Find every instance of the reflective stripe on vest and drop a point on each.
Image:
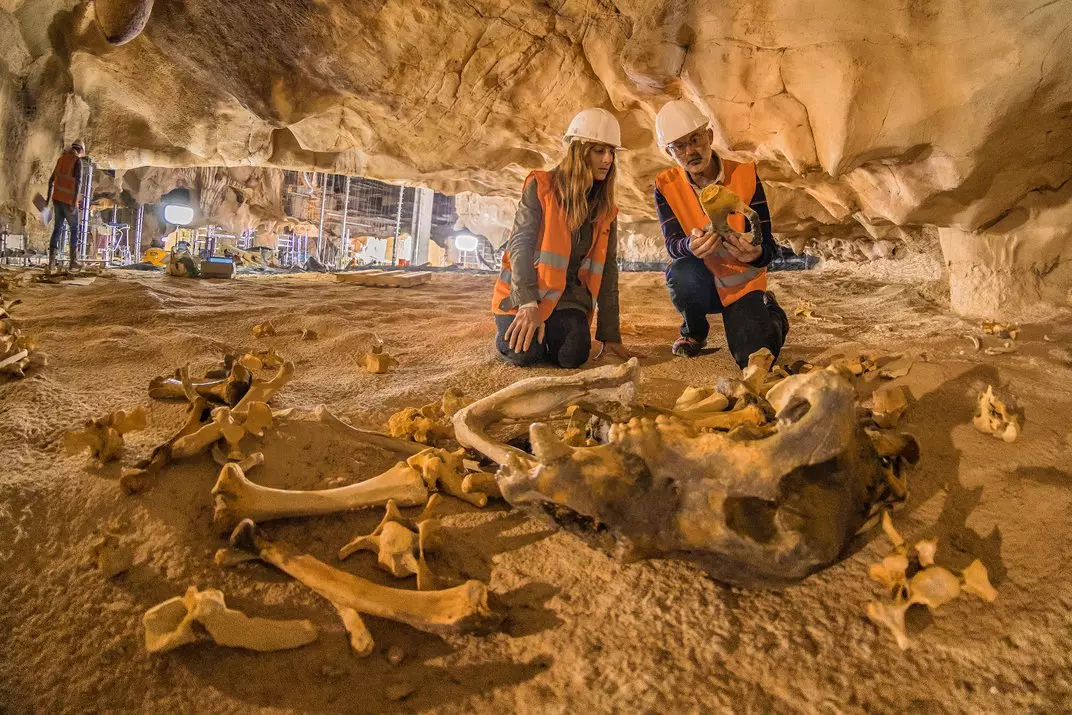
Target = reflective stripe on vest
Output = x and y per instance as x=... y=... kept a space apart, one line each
x=552 y=255
x=64 y=185
x=733 y=279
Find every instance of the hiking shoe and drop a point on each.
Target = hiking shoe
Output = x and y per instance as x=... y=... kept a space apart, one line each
x=687 y=347
x=74 y=265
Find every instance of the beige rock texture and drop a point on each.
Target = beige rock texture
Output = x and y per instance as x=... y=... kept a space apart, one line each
x=953 y=113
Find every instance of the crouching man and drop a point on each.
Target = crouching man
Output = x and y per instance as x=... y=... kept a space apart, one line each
x=710 y=273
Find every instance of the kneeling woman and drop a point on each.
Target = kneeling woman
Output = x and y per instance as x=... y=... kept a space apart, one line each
x=560 y=263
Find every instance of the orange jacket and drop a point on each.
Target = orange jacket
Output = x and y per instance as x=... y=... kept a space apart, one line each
x=553 y=254
x=733 y=279
x=65 y=179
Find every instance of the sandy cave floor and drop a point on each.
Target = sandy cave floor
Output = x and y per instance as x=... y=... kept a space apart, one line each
x=582 y=632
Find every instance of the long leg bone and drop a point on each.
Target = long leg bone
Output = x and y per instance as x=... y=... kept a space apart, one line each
x=537 y=397
x=452 y=610
x=237 y=498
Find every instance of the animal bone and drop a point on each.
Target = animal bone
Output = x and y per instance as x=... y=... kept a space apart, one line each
x=137 y=479
x=111 y=555
x=415 y=424
x=264 y=390
x=993 y=417
x=1005 y=349
x=169 y=625
x=759 y=365
x=103 y=437
x=889 y=403
x=237 y=498
x=720 y=202
x=750 y=511
x=377 y=361
x=930 y=585
x=700 y=401
x=399 y=550
x=308 y=334
x=227 y=391
x=1001 y=330
x=452 y=610
x=360 y=639
x=379 y=439
x=445 y=471
x=264 y=330
x=540 y=396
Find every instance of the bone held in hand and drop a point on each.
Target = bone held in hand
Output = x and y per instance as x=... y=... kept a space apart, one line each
x=238 y=498
x=537 y=397
x=453 y=610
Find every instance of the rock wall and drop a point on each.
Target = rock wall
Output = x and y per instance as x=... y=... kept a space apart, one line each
x=951 y=113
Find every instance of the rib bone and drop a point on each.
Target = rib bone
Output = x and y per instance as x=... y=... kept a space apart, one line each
x=238 y=498
x=537 y=397
x=452 y=610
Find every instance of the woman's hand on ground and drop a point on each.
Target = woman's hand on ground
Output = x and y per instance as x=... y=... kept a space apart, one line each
x=526 y=326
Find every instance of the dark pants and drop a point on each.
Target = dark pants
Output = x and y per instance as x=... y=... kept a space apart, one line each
x=751 y=321
x=64 y=214
x=566 y=342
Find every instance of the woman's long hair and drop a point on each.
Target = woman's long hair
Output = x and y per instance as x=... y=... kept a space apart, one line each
x=573 y=179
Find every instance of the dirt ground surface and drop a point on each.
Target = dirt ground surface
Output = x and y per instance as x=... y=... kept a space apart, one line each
x=582 y=632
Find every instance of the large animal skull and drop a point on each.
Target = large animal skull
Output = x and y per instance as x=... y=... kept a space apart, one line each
x=752 y=508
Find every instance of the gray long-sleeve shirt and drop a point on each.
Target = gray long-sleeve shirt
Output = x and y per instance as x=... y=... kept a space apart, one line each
x=523 y=244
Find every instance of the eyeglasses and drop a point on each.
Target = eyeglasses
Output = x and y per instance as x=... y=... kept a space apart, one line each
x=694 y=140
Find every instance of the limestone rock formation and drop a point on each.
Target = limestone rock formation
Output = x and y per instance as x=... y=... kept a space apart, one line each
x=887 y=115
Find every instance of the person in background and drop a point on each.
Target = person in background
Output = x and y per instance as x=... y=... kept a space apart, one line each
x=560 y=265
x=710 y=273
x=64 y=190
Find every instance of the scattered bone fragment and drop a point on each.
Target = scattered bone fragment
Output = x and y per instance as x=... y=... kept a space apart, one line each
x=309 y=334
x=225 y=428
x=376 y=360
x=412 y=423
x=912 y=577
x=169 y=625
x=1002 y=330
x=361 y=641
x=888 y=404
x=1004 y=349
x=237 y=498
x=17 y=352
x=264 y=330
x=748 y=415
x=975 y=341
x=227 y=391
x=445 y=471
x=700 y=400
x=482 y=482
x=453 y=610
x=993 y=417
x=137 y=479
x=395 y=655
x=111 y=556
x=103 y=436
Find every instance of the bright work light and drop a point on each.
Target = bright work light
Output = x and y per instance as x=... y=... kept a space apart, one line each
x=465 y=242
x=178 y=214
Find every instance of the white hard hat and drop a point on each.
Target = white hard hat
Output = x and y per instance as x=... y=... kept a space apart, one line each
x=597 y=125
x=676 y=119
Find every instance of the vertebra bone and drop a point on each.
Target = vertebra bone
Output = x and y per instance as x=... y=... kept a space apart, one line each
x=452 y=610
x=103 y=437
x=227 y=391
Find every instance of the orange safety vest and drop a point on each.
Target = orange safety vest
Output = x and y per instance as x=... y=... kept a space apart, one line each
x=733 y=279
x=553 y=254
x=64 y=185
